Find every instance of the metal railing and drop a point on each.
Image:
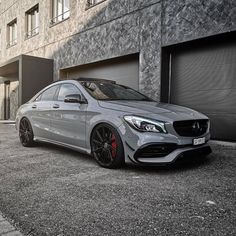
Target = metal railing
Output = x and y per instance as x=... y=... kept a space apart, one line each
x=60 y=17
x=91 y=3
x=12 y=42
x=32 y=32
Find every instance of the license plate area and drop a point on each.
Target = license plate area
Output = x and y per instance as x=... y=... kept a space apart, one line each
x=199 y=141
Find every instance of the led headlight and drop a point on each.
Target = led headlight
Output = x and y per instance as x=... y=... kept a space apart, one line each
x=145 y=125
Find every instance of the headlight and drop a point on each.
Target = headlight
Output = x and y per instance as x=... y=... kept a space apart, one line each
x=145 y=125
x=208 y=125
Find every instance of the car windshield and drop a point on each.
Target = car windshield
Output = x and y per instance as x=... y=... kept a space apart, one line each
x=112 y=91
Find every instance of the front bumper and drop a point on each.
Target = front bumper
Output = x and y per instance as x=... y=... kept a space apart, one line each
x=170 y=146
x=189 y=151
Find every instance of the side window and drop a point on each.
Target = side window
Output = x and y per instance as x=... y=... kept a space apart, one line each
x=48 y=95
x=67 y=89
x=38 y=98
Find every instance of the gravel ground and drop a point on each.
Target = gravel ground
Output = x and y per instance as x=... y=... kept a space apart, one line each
x=47 y=190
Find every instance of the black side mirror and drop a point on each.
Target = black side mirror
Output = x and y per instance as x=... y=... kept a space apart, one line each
x=74 y=98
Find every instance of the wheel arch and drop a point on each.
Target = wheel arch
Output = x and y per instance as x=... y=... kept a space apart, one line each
x=25 y=117
x=100 y=123
x=119 y=155
x=112 y=124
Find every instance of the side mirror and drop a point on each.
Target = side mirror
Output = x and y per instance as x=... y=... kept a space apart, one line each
x=74 y=98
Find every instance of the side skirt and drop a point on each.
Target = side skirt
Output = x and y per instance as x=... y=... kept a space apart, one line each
x=79 y=149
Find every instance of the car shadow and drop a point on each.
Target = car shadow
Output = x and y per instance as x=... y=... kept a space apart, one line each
x=183 y=164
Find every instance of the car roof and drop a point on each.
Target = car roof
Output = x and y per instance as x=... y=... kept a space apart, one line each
x=83 y=79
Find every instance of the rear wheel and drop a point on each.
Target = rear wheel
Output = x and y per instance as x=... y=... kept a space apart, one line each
x=107 y=147
x=26 y=133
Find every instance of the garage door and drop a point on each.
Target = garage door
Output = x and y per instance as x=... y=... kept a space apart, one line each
x=124 y=70
x=204 y=78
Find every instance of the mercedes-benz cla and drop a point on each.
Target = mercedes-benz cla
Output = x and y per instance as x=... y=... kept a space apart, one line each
x=112 y=122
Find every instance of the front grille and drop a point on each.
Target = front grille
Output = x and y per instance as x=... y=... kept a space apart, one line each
x=155 y=150
x=191 y=128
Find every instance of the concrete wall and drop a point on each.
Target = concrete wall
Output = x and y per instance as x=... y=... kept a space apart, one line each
x=116 y=28
x=36 y=73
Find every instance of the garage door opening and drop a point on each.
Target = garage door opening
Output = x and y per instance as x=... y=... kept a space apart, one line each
x=124 y=70
x=202 y=75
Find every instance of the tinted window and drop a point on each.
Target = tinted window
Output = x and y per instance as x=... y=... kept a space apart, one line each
x=38 y=98
x=48 y=95
x=67 y=89
x=110 y=91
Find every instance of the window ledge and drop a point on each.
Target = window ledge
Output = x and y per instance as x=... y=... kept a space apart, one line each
x=30 y=36
x=51 y=24
x=93 y=5
x=11 y=45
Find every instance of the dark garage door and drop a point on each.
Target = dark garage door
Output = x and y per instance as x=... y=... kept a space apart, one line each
x=203 y=77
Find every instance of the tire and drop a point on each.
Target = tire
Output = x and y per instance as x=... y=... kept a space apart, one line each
x=107 y=147
x=26 y=133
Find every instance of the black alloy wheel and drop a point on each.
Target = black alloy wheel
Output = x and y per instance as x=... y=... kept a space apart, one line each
x=107 y=147
x=26 y=133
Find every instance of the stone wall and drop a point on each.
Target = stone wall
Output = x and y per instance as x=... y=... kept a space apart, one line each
x=185 y=20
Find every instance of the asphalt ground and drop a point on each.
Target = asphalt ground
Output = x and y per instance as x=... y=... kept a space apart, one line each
x=47 y=190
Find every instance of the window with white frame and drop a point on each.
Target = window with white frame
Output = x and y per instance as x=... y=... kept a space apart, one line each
x=12 y=33
x=60 y=10
x=93 y=2
x=32 y=21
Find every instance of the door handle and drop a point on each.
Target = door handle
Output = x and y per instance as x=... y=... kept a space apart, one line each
x=56 y=106
x=34 y=106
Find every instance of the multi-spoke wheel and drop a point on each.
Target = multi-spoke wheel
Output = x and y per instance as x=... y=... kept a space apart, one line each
x=26 y=133
x=107 y=147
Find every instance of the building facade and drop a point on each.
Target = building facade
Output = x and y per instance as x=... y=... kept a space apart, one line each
x=167 y=49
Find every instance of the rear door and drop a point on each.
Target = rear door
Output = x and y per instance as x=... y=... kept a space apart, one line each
x=68 y=121
x=41 y=113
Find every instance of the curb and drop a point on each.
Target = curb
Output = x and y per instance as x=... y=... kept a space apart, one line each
x=7 y=229
x=217 y=143
x=7 y=122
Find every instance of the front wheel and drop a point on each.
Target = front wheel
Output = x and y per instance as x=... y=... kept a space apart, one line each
x=26 y=133
x=107 y=147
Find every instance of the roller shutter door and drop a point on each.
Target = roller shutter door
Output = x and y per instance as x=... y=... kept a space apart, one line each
x=124 y=70
x=204 y=78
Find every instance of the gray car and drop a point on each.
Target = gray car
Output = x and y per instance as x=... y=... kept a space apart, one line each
x=112 y=122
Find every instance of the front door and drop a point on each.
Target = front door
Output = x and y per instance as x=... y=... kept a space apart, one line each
x=68 y=123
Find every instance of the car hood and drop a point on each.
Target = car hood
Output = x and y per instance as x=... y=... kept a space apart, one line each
x=154 y=110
